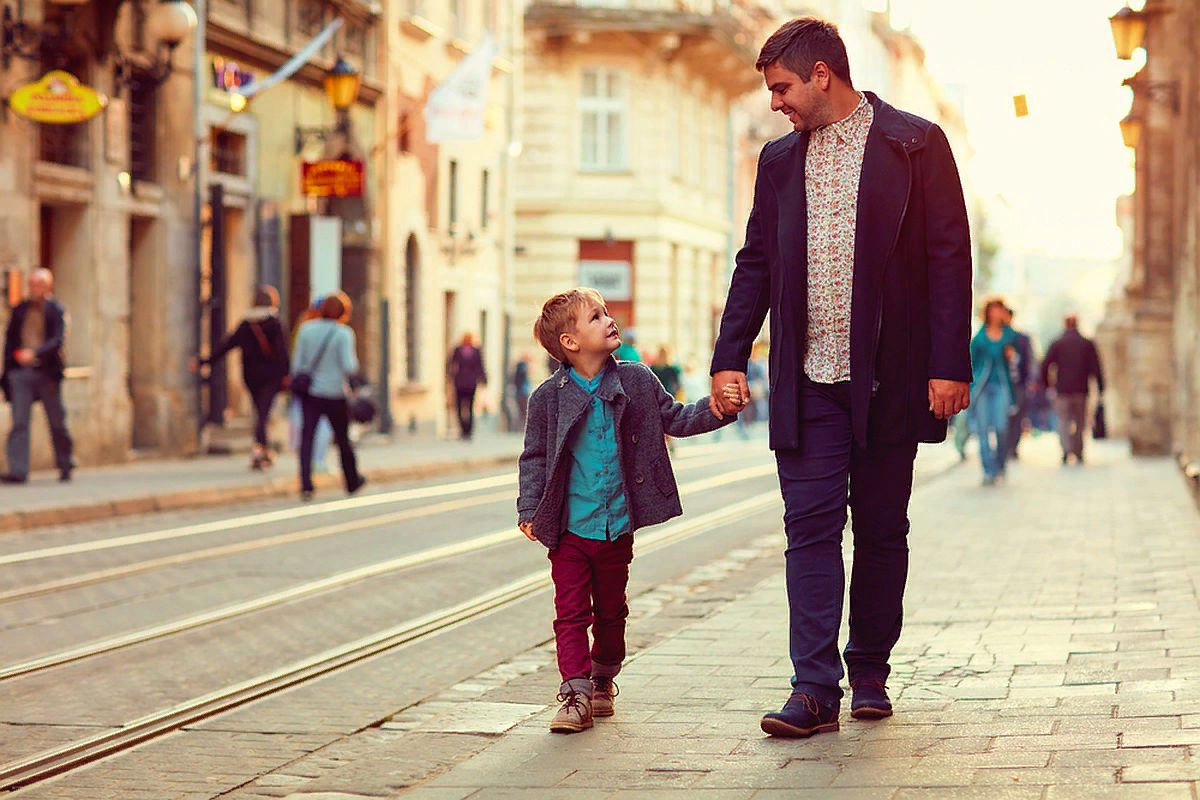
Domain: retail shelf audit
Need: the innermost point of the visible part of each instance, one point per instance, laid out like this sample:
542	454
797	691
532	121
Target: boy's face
595	332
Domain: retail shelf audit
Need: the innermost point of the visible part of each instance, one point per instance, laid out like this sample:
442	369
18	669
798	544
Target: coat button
638	479
633	438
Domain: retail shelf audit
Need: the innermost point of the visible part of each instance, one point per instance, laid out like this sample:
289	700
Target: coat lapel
786	174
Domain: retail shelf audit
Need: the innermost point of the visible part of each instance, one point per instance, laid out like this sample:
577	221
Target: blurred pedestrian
628	350
1071	363
324	434
992	352
757	379
861	370
33	372
1024	377
325	352
264	345
521	388
666	372
467	374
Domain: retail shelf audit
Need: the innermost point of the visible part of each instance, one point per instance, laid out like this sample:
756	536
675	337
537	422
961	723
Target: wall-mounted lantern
1128	30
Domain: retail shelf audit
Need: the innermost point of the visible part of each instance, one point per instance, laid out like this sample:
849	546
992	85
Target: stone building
1150	339
448	232
626	180
105	204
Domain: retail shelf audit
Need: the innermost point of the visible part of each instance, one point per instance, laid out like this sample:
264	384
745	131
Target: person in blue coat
993	352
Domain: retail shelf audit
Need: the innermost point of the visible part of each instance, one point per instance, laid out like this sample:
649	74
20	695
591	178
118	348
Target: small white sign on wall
611	278
325	256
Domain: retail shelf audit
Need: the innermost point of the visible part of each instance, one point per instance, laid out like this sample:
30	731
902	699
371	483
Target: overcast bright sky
1062	167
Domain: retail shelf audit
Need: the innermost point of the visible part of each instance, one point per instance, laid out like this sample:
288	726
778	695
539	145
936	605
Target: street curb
203	498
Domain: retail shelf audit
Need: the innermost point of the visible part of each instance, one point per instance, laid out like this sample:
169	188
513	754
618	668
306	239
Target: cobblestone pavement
1051	651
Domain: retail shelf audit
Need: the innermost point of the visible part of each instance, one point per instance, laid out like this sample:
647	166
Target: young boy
594	470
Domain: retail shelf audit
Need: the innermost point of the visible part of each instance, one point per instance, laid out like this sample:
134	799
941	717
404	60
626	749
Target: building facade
448	232
1150	338
105	204
626	180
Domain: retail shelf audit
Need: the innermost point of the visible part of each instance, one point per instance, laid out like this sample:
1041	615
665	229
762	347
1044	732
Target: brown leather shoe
603	692
575	714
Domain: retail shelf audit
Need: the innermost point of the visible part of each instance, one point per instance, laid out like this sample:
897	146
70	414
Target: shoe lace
571	699
607	685
808	701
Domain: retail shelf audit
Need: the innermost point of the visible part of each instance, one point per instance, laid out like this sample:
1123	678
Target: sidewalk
162	485
174	484
1051	651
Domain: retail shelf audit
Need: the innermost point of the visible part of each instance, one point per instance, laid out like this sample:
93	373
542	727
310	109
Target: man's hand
527	529
717	401
947	398
24	356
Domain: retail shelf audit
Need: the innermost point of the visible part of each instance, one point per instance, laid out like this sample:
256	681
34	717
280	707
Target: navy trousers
819	480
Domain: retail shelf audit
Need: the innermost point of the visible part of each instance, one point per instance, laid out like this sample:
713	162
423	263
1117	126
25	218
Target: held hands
730	393
24	356
947	398
527	529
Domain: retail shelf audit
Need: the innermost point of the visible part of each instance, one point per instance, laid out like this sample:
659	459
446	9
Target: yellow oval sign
58	98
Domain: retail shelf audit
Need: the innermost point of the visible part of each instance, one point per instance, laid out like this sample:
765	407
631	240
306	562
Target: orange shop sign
58	99
332	178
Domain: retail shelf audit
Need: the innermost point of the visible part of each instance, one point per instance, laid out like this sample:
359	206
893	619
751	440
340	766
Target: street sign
610	278
57	99
332	178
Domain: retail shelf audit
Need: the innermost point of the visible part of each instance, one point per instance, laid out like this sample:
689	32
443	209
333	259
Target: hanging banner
57	99
291	66
456	107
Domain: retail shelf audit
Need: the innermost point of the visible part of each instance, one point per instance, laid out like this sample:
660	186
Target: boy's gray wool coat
643	413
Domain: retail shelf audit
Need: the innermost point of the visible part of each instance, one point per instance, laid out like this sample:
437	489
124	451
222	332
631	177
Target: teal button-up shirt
596	504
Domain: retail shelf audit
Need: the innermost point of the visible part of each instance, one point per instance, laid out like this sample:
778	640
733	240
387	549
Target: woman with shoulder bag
263	342
322	364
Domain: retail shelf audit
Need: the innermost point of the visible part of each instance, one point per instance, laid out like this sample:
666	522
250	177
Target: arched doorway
412	275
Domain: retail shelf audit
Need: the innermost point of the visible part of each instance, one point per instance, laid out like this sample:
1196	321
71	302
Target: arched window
412	268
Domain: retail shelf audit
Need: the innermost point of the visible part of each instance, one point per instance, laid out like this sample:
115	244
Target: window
603	110
452	200
227	151
66	144
142	112
483	200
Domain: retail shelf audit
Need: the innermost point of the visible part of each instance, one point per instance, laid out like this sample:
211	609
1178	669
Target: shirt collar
589	386
844	128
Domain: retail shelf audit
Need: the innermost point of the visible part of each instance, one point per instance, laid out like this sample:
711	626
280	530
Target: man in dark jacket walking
467	373
33	372
858	245
1070	364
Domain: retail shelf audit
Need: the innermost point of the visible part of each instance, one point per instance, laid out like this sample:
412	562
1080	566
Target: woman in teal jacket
992	389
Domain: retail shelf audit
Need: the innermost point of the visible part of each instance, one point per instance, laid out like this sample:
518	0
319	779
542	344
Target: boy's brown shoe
603	692
575	714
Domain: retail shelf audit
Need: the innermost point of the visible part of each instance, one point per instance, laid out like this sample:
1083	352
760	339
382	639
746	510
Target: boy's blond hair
559	315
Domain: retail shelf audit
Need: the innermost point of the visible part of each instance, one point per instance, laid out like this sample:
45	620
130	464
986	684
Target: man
1022	378
1073	360
33	372
467	374
858	245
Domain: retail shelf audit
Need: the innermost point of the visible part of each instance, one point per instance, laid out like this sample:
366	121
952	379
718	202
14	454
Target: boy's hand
722	405
527	529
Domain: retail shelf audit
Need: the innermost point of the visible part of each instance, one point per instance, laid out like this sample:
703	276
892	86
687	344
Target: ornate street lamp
341	87
168	25
341	84
1128	30
1131	131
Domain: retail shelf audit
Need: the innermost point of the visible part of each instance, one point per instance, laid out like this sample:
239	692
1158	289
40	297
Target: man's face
39	288
806	105
595	331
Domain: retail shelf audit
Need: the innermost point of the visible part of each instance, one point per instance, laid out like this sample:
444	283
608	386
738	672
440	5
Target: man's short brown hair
800	43
559	315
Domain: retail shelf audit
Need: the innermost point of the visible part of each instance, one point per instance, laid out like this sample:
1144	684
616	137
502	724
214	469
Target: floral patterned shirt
831	174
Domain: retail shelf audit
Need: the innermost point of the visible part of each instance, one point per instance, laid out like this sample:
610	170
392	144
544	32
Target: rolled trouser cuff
605	670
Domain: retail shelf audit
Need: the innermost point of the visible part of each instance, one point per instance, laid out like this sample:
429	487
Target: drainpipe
198	134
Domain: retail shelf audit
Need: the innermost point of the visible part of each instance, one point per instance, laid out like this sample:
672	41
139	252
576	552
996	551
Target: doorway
64	248
144	337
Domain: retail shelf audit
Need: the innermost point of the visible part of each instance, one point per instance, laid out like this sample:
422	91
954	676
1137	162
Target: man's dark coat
910	316
49	355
